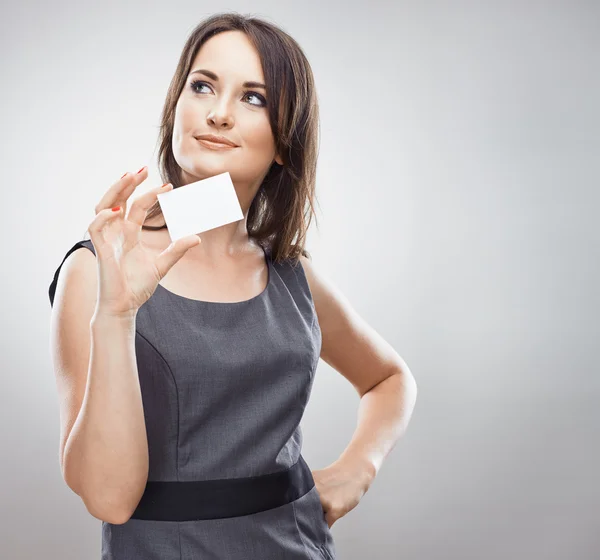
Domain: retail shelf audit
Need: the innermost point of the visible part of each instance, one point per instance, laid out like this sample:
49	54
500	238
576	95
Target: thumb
174	252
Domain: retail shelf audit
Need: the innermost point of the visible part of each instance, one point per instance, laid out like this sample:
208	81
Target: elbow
69	480
411	383
100	508
107	512
115	508
112	509
111	516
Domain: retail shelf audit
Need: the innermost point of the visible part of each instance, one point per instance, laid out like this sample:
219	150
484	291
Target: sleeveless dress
224	387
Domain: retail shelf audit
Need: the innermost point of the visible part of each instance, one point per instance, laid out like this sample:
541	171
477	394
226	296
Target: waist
225	497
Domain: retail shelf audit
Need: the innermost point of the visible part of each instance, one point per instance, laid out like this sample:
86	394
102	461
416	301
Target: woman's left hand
340	486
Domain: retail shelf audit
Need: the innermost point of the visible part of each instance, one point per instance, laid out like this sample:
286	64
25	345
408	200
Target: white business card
200	206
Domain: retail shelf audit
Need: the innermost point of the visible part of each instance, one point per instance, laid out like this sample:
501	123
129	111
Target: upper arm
73	307
349	344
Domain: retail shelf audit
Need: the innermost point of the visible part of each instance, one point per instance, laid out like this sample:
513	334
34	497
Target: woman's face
221	105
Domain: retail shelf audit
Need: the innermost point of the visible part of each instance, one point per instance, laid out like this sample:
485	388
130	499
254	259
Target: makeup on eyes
195	85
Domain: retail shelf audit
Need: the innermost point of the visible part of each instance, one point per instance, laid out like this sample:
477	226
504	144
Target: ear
278	160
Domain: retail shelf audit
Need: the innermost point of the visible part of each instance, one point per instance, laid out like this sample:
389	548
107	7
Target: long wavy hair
284	205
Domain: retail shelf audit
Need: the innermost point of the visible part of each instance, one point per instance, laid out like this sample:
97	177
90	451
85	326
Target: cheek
259	137
185	115
185	122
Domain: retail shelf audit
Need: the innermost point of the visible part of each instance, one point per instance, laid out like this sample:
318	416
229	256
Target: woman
184	368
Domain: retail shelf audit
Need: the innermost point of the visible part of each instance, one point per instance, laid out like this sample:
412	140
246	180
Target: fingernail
116	208
124	174
142	169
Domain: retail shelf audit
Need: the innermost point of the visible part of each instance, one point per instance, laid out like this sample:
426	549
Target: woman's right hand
128	273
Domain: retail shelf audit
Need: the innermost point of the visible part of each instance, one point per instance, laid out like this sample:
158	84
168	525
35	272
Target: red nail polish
116	208
123	174
142	169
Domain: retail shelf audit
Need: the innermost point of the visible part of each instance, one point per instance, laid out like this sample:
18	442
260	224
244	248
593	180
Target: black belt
224	497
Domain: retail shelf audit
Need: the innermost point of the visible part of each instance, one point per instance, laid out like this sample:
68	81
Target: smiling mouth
215	145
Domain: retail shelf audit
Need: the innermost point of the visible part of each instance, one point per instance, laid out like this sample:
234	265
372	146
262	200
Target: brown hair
278	212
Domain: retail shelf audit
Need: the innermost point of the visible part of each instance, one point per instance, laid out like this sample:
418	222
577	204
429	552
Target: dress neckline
169	293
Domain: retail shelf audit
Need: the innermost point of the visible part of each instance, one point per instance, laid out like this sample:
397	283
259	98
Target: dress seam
176	395
324	556
179	536
302	283
298	529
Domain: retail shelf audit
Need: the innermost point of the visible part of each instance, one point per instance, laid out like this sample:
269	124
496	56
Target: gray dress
224	387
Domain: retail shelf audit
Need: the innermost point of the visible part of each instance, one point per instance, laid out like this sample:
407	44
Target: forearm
383	416
106	455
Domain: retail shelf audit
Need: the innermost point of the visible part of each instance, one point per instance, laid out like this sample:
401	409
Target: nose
220	118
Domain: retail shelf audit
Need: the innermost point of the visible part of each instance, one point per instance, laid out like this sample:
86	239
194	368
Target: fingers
96	229
174	252
119	192
140	206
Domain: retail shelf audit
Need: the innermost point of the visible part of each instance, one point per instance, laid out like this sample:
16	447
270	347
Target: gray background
458	191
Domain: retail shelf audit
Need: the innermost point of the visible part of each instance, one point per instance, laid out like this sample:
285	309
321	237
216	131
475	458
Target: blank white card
200	206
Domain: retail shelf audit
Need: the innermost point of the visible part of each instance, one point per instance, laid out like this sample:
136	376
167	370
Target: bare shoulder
77	277
328	299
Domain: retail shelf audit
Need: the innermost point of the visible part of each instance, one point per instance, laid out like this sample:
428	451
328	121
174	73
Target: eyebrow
214	77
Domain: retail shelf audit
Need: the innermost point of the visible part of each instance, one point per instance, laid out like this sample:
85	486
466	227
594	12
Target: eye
196	85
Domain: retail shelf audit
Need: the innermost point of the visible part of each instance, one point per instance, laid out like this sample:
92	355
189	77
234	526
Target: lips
214	145
216	140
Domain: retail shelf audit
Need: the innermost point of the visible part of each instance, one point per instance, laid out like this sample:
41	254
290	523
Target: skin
228	266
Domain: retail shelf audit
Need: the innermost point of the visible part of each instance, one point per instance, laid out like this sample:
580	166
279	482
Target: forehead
230	55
